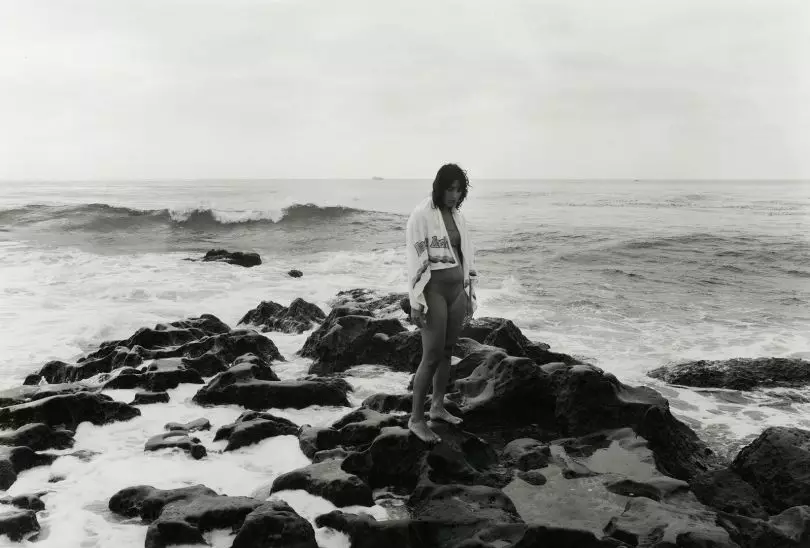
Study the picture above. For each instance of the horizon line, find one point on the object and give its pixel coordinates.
(379, 178)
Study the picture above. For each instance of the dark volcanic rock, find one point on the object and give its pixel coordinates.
(295, 273)
(467, 508)
(163, 341)
(56, 372)
(271, 316)
(238, 258)
(589, 400)
(161, 375)
(32, 379)
(26, 502)
(452, 516)
(252, 427)
(330, 454)
(644, 520)
(386, 403)
(361, 426)
(14, 460)
(312, 439)
(275, 523)
(326, 479)
(247, 368)
(738, 373)
(382, 305)
(206, 364)
(507, 396)
(144, 398)
(541, 536)
(397, 458)
(165, 335)
(532, 477)
(726, 491)
(230, 346)
(147, 502)
(526, 454)
(504, 394)
(25, 394)
(176, 439)
(181, 516)
(354, 432)
(182, 522)
(256, 387)
(18, 524)
(192, 426)
(777, 465)
(498, 332)
(780, 531)
(366, 532)
(794, 523)
(195, 345)
(69, 410)
(38, 436)
(125, 378)
(504, 334)
(350, 337)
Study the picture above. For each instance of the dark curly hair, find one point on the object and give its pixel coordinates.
(445, 177)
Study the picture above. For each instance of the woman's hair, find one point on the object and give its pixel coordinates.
(445, 177)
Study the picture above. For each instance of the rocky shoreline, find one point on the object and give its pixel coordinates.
(552, 451)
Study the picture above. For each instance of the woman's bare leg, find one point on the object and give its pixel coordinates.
(433, 335)
(455, 322)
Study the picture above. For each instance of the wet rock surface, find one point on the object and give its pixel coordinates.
(738, 373)
(159, 376)
(146, 398)
(252, 427)
(38, 436)
(176, 439)
(382, 305)
(18, 524)
(181, 516)
(255, 386)
(349, 337)
(67, 411)
(26, 502)
(300, 316)
(777, 466)
(14, 460)
(202, 344)
(191, 426)
(238, 258)
(328, 480)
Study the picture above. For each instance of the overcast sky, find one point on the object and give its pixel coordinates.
(94, 89)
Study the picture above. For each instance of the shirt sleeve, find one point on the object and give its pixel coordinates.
(417, 258)
(473, 271)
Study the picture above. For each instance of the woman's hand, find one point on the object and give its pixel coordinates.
(418, 316)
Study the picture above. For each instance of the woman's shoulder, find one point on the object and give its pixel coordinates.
(424, 205)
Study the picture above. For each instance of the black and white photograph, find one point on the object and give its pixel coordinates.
(385, 274)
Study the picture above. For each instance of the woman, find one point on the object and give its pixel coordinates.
(441, 275)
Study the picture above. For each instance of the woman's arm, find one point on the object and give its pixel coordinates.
(472, 301)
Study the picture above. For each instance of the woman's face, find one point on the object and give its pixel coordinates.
(452, 194)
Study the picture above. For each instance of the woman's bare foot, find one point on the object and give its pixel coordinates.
(443, 414)
(420, 430)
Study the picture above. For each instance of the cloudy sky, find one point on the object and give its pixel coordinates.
(95, 89)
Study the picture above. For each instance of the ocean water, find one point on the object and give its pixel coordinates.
(628, 275)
